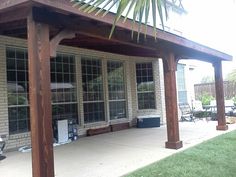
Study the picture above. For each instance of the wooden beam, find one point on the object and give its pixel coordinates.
(88, 28)
(14, 15)
(40, 99)
(15, 32)
(169, 63)
(13, 25)
(117, 49)
(220, 100)
(4, 4)
(64, 34)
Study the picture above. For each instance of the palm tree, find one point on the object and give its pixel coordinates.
(140, 10)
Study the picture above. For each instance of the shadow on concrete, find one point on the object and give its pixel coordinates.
(2, 157)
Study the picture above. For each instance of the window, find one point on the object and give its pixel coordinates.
(93, 99)
(182, 92)
(145, 86)
(17, 87)
(63, 87)
(116, 89)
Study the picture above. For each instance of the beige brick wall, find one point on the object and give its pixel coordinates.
(18, 140)
(161, 91)
(3, 93)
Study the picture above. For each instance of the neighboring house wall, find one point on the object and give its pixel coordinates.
(189, 70)
(185, 83)
(174, 22)
(20, 139)
(181, 83)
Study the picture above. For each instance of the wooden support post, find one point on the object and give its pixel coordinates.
(40, 99)
(220, 100)
(169, 63)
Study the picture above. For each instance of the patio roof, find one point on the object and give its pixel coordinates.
(46, 23)
(92, 31)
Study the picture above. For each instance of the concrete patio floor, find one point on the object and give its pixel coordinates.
(112, 154)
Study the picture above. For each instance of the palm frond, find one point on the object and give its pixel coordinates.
(141, 11)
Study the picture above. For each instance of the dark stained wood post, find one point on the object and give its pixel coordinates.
(40, 99)
(169, 63)
(220, 100)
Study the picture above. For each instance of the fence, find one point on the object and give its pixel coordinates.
(209, 88)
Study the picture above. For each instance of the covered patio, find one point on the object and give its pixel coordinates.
(112, 154)
(47, 23)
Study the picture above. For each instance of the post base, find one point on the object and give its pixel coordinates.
(222, 127)
(174, 145)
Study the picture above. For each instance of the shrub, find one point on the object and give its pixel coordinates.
(202, 114)
(206, 99)
(234, 99)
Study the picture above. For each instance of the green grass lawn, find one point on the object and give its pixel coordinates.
(213, 158)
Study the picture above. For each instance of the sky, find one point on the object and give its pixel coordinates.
(212, 23)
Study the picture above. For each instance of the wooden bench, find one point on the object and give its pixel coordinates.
(113, 128)
(97, 131)
(119, 126)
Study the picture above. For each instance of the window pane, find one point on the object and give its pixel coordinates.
(22, 99)
(13, 127)
(11, 65)
(22, 113)
(12, 99)
(65, 111)
(20, 54)
(146, 100)
(22, 125)
(145, 86)
(12, 113)
(94, 112)
(18, 119)
(11, 53)
(116, 89)
(11, 75)
(17, 87)
(63, 88)
(117, 109)
(21, 65)
(92, 90)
